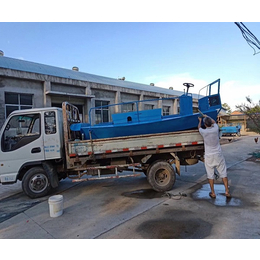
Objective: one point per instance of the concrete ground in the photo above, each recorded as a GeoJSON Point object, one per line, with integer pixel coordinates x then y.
{"type": "Point", "coordinates": [129, 209]}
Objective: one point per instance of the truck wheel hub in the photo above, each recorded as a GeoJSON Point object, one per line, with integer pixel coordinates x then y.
{"type": "Point", "coordinates": [38, 183]}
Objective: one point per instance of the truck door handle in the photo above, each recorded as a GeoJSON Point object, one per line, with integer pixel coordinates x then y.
{"type": "Point", "coordinates": [36, 150]}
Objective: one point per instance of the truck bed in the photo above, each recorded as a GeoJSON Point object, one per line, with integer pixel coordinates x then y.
{"type": "Point", "coordinates": [81, 155]}
{"type": "Point", "coordinates": [114, 147]}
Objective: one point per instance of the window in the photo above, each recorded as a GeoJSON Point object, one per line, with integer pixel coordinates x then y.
{"type": "Point", "coordinates": [148, 107]}
{"type": "Point", "coordinates": [16, 101]}
{"type": "Point", "coordinates": [20, 131]}
{"type": "Point", "coordinates": [166, 110]}
{"type": "Point", "coordinates": [129, 107]}
{"type": "Point", "coordinates": [79, 107]}
{"type": "Point", "coordinates": [101, 113]}
{"type": "Point", "coordinates": [50, 122]}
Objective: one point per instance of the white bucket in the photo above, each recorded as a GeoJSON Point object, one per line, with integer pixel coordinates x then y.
{"type": "Point", "coordinates": [56, 205]}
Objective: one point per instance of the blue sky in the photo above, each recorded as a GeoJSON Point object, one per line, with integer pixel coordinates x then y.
{"type": "Point", "coordinates": [167, 54]}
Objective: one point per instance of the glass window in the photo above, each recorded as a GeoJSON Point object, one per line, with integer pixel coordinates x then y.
{"type": "Point", "coordinates": [19, 131]}
{"type": "Point", "coordinates": [16, 101]}
{"type": "Point", "coordinates": [98, 103]}
{"type": "Point", "coordinates": [148, 106]}
{"type": "Point", "coordinates": [105, 117]}
{"type": "Point", "coordinates": [98, 117]}
{"type": "Point", "coordinates": [129, 107]}
{"type": "Point", "coordinates": [79, 107]}
{"type": "Point", "coordinates": [101, 113]}
{"type": "Point", "coordinates": [166, 110]}
{"type": "Point", "coordinates": [11, 98]}
{"type": "Point", "coordinates": [10, 109]}
{"type": "Point", "coordinates": [50, 122]}
{"type": "Point", "coordinates": [25, 99]}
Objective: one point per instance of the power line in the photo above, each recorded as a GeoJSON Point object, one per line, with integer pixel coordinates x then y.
{"type": "Point", "coordinates": [250, 38]}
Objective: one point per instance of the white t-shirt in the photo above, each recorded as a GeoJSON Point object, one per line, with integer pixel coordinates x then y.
{"type": "Point", "coordinates": [211, 139]}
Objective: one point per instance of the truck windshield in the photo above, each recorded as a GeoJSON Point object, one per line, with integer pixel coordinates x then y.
{"type": "Point", "coordinates": [19, 131]}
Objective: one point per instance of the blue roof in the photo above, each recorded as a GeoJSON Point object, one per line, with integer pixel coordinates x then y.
{"type": "Point", "coordinates": [21, 65]}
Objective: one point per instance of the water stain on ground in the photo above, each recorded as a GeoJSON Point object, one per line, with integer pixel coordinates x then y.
{"type": "Point", "coordinates": [220, 200]}
{"type": "Point", "coordinates": [144, 194]}
{"type": "Point", "coordinates": [175, 225]}
{"type": "Point", "coordinates": [13, 205]}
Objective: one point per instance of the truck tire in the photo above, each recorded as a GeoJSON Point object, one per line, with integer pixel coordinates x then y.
{"type": "Point", "coordinates": [161, 176]}
{"type": "Point", "coordinates": [36, 183]}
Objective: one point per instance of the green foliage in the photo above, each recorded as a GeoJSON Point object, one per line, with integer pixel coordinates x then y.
{"type": "Point", "coordinates": [252, 110]}
{"type": "Point", "coordinates": [227, 108]}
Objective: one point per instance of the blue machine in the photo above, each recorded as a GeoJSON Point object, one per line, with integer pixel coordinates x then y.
{"type": "Point", "coordinates": [230, 130]}
{"type": "Point", "coordinates": [152, 121]}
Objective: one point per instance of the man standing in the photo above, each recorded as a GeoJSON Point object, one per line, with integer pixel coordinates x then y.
{"type": "Point", "coordinates": [213, 154]}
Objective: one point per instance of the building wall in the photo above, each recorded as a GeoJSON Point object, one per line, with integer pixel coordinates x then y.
{"type": "Point", "coordinates": [48, 90]}
{"type": "Point", "coordinates": [234, 120]}
{"type": "Point", "coordinates": [59, 87]}
{"type": "Point", "coordinates": [20, 86]}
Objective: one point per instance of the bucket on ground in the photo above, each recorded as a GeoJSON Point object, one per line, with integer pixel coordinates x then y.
{"type": "Point", "coordinates": [56, 205]}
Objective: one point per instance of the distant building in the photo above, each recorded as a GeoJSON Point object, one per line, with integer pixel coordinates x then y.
{"type": "Point", "coordinates": [233, 119]}
{"type": "Point", "coordinates": [25, 84]}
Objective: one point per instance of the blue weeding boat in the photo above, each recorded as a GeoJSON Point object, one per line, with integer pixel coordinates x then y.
{"type": "Point", "coordinates": [152, 121]}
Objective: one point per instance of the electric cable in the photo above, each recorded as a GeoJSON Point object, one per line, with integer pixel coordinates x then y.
{"type": "Point", "coordinates": [249, 37]}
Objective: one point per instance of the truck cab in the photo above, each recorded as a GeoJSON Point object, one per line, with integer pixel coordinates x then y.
{"type": "Point", "coordinates": [29, 138]}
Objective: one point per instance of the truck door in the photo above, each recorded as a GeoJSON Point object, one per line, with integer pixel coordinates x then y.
{"type": "Point", "coordinates": [21, 143]}
{"type": "Point", "coordinates": [52, 135]}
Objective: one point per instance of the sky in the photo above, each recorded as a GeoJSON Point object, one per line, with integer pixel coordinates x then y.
{"type": "Point", "coordinates": [164, 53]}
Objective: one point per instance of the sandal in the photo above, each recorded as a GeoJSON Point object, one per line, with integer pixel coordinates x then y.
{"type": "Point", "coordinates": [212, 196]}
{"type": "Point", "coordinates": [228, 195]}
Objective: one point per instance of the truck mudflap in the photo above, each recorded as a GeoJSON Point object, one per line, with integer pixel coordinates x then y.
{"type": "Point", "coordinates": [52, 173]}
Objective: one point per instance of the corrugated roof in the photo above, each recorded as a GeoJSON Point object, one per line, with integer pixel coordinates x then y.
{"type": "Point", "coordinates": [21, 65]}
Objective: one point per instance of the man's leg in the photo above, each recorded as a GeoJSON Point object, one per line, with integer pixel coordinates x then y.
{"type": "Point", "coordinates": [225, 181]}
{"type": "Point", "coordinates": [210, 174]}
{"type": "Point", "coordinates": [211, 184]}
{"type": "Point", "coordinates": [222, 169]}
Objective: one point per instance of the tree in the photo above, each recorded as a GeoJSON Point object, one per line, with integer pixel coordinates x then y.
{"type": "Point", "coordinates": [252, 111]}
{"type": "Point", "coordinates": [227, 108]}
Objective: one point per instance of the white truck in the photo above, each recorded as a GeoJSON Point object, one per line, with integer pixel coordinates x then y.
{"type": "Point", "coordinates": [39, 149]}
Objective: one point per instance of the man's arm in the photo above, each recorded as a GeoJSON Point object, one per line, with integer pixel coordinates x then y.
{"type": "Point", "coordinates": [199, 125]}
{"type": "Point", "coordinates": [200, 119]}
{"type": "Point", "coordinates": [213, 121]}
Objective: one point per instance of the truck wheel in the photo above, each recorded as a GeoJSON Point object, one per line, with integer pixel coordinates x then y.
{"type": "Point", "coordinates": [36, 183]}
{"type": "Point", "coordinates": [161, 176]}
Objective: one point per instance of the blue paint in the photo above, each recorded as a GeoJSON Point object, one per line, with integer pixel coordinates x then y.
{"type": "Point", "coordinates": [151, 121]}
{"type": "Point", "coordinates": [229, 130]}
